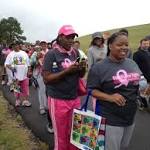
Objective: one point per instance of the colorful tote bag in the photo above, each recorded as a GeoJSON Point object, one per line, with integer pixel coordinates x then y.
{"type": "Point", "coordinates": [87, 129]}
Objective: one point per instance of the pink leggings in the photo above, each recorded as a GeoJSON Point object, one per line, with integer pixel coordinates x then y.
{"type": "Point", "coordinates": [61, 115]}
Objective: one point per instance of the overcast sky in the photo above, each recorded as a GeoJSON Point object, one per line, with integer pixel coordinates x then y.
{"type": "Point", "coordinates": [41, 19]}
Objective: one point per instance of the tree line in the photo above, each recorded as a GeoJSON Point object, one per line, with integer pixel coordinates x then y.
{"type": "Point", "coordinates": [10, 31]}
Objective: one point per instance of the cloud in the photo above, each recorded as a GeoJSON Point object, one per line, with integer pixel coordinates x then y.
{"type": "Point", "coordinates": [42, 19]}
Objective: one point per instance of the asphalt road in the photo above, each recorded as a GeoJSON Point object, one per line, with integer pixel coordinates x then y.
{"type": "Point", "coordinates": [37, 123]}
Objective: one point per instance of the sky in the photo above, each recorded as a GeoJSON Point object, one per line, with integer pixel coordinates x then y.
{"type": "Point", "coordinates": [41, 19]}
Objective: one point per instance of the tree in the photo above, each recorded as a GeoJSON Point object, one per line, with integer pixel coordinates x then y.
{"type": "Point", "coordinates": [10, 31]}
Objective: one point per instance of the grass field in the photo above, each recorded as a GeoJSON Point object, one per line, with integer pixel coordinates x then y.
{"type": "Point", "coordinates": [136, 33]}
{"type": "Point", "coordinates": [13, 133]}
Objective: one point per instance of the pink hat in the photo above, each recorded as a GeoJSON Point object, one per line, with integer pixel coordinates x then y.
{"type": "Point", "coordinates": [67, 30]}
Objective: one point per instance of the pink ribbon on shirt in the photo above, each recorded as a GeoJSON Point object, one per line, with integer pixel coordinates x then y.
{"type": "Point", "coordinates": [122, 76]}
{"type": "Point", "coordinates": [67, 62]}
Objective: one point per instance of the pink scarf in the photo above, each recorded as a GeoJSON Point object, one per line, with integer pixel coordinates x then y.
{"type": "Point", "coordinates": [61, 49]}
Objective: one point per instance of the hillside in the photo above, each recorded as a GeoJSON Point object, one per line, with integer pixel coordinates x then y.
{"type": "Point", "coordinates": [136, 33]}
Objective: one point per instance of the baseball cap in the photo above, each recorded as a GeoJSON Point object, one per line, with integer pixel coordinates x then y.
{"type": "Point", "coordinates": [97, 35]}
{"type": "Point", "coordinates": [67, 30]}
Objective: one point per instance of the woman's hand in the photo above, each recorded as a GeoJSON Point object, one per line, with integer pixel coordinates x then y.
{"type": "Point", "coordinates": [112, 98]}
{"type": "Point", "coordinates": [73, 68]}
{"type": "Point", "coordinates": [118, 99]}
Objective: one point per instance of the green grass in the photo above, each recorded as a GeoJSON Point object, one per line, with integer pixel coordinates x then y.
{"type": "Point", "coordinates": [136, 33]}
{"type": "Point", "coordinates": [13, 134]}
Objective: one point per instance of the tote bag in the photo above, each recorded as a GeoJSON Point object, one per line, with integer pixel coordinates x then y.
{"type": "Point", "coordinates": [86, 128]}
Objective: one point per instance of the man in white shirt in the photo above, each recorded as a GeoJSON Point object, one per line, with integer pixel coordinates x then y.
{"type": "Point", "coordinates": [18, 62]}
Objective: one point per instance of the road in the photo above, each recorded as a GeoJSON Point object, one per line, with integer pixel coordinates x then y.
{"type": "Point", "coordinates": [37, 123]}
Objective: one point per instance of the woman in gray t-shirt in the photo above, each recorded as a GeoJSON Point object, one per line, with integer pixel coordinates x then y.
{"type": "Point", "coordinates": [97, 50]}
{"type": "Point", "coordinates": [115, 84]}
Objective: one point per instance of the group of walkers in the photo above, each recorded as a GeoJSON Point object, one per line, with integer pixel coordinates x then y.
{"type": "Point", "coordinates": [115, 80]}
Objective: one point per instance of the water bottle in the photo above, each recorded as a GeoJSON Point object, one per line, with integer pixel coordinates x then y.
{"type": "Point", "coordinates": [14, 70]}
{"type": "Point", "coordinates": [54, 67]}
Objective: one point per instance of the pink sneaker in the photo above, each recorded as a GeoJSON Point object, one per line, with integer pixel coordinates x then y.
{"type": "Point", "coordinates": [18, 103]}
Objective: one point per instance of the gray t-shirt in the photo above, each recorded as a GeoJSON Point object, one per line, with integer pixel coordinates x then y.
{"type": "Point", "coordinates": [67, 87]}
{"type": "Point", "coordinates": [96, 54]}
{"type": "Point", "coordinates": [123, 78]}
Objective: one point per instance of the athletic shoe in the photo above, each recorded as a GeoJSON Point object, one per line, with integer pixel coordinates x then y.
{"type": "Point", "coordinates": [26, 103]}
{"type": "Point", "coordinates": [49, 128]}
{"type": "Point", "coordinates": [11, 88]}
{"type": "Point", "coordinates": [42, 111]}
{"type": "Point", "coordinates": [3, 82]}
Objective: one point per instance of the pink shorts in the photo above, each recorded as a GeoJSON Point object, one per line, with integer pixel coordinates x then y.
{"type": "Point", "coordinates": [24, 85]}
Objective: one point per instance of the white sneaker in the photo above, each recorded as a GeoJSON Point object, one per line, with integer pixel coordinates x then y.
{"type": "Point", "coordinates": [26, 103]}
{"type": "Point", "coordinates": [42, 111]}
{"type": "Point", "coordinates": [3, 82]}
{"type": "Point", "coordinates": [11, 88]}
{"type": "Point", "coordinates": [8, 83]}
{"type": "Point", "coordinates": [49, 128]}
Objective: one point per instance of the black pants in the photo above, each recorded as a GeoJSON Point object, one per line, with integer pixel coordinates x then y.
{"type": "Point", "coordinates": [143, 101]}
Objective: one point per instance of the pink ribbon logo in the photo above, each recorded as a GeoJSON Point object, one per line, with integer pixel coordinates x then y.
{"type": "Point", "coordinates": [122, 76]}
{"type": "Point", "coordinates": [67, 62]}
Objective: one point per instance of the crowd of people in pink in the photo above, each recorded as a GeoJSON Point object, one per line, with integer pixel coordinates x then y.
{"type": "Point", "coordinates": [118, 79]}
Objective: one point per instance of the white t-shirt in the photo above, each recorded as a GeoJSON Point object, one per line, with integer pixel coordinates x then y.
{"type": "Point", "coordinates": [20, 61]}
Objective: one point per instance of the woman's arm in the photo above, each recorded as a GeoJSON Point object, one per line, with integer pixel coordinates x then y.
{"type": "Point", "coordinates": [50, 77]}
{"type": "Point", "coordinates": [113, 98]}
{"type": "Point", "coordinates": [82, 67]}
